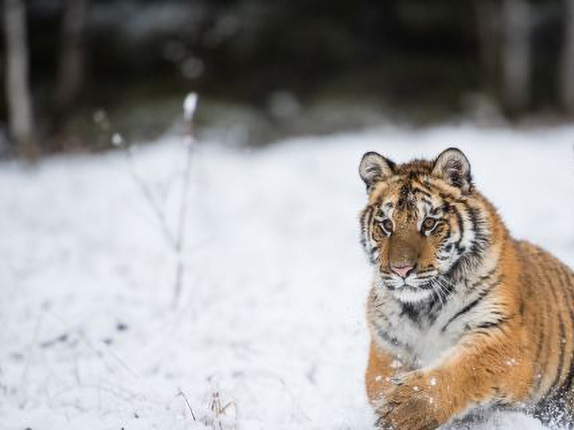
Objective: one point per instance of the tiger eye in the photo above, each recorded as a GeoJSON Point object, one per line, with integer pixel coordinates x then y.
{"type": "Point", "coordinates": [429, 223]}
{"type": "Point", "coordinates": [387, 225]}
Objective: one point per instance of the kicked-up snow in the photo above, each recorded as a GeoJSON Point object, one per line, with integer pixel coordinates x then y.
{"type": "Point", "coordinates": [269, 332]}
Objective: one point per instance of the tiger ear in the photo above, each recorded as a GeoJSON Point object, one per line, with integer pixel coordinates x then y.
{"type": "Point", "coordinates": [453, 167]}
{"type": "Point", "coordinates": [375, 168]}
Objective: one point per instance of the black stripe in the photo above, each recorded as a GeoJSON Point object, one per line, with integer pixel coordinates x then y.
{"type": "Point", "coordinates": [412, 312]}
{"type": "Point", "coordinates": [460, 224]}
{"type": "Point", "coordinates": [551, 285]}
{"type": "Point", "coordinates": [440, 299]}
{"type": "Point", "coordinates": [541, 338]}
{"type": "Point", "coordinates": [547, 335]}
{"type": "Point", "coordinates": [476, 246]}
{"type": "Point", "coordinates": [428, 202]}
{"type": "Point", "coordinates": [368, 234]}
{"type": "Point", "coordinates": [482, 295]}
{"type": "Point", "coordinates": [492, 324]}
{"type": "Point", "coordinates": [560, 355]}
{"type": "Point", "coordinates": [365, 225]}
{"type": "Point", "coordinates": [415, 190]}
{"type": "Point", "coordinates": [371, 216]}
{"type": "Point", "coordinates": [448, 234]}
{"type": "Point", "coordinates": [388, 338]}
{"type": "Point", "coordinates": [538, 313]}
{"type": "Point", "coordinates": [485, 279]}
{"type": "Point", "coordinates": [567, 284]}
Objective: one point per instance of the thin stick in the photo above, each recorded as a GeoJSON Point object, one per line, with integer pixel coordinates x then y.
{"type": "Point", "coordinates": [148, 195]}
{"type": "Point", "coordinates": [182, 394]}
{"type": "Point", "coordinates": [189, 106]}
{"type": "Point", "coordinates": [182, 222]}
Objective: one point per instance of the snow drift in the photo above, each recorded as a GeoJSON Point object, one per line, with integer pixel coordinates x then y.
{"type": "Point", "coordinates": [269, 332]}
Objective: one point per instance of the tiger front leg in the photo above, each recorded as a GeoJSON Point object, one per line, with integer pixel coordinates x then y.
{"type": "Point", "coordinates": [415, 403]}
{"type": "Point", "coordinates": [474, 375]}
{"type": "Point", "coordinates": [383, 368]}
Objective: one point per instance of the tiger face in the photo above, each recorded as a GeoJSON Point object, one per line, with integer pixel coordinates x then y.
{"type": "Point", "coordinates": [422, 224]}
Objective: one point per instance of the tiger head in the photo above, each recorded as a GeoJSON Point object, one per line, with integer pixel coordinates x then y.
{"type": "Point", "coordinates": [424, 224]}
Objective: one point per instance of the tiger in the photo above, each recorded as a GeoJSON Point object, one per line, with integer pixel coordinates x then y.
{"type": "Point", "coordinates": [462, 317]}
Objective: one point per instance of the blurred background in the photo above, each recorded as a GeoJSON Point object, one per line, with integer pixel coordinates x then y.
{"type": "Point", "coordinates": [77, 70]}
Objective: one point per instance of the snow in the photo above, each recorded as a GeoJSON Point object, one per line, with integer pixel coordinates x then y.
{"type": "Point", "coordinates": [269, 332]}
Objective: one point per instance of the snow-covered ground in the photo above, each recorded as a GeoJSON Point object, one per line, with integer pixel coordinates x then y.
{"type": "Point", "coordinates": [270, 328]}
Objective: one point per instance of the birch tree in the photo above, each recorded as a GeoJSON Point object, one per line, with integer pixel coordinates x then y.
{"type": "Point", "coordinates": [488, 31]}
{"type": "Point", "coordinates": [19, 100]}
{"type": "Point", "coordinates": [71, 69]}
{"type": "Point", "coordinates": [516, 55]}
{"type": "Point", "coordinates": [566, 84]}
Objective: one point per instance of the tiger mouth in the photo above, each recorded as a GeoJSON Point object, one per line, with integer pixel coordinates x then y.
{"type": "Point", "coordinates": [419, 290]}
{"type": "Point", "coordinates": [427, 284]}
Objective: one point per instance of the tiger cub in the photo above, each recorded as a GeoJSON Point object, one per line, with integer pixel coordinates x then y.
{"type": "Point", "coordinates": [460, 314]}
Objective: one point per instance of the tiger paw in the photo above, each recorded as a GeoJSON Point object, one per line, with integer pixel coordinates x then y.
{"type": "Point", "coordinates": [411, 405]}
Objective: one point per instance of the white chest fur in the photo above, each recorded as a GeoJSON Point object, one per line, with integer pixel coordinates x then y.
{"type": "Point", "coordinates": [421, 337]}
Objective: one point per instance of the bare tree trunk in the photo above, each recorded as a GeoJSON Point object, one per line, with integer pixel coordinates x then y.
{"type": "Point", "coordinates": [488, 31]}
{"type": "Point", "coordinates": [71, 70]}
{"type": "Point", "coordinates": [516, 53]}
{"type": "Point", "coordinates": [567, 62]}
{"type": "Point", "coordinates": [21, 119]}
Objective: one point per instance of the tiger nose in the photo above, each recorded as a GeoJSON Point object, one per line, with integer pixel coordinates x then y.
{"type": "Point", "coordinates": [402, 271]}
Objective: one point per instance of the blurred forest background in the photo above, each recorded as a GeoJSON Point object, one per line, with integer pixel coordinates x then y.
{"type": "Point", "coordinates": [77, 71]}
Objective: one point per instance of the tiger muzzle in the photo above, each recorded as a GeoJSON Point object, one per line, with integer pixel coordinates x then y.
{"type": "Point", "coordinates": [403, 255]}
